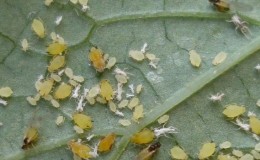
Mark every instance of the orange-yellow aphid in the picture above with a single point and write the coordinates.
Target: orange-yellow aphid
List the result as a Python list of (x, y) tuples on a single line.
[(45, 87), (148, 152), (107, 142), (56, 48), (6, 92), (195, 58), (138, 113), (124, 122), (83, 121), (56, 63), (25, 45), (106, 90), (254, 124), (63, 91), (219, 58), (81, 150), (30, 137), (97, 59), (233, 110), (178, 153), (143, 137), (163, 119), (207, 150), (38, 28)]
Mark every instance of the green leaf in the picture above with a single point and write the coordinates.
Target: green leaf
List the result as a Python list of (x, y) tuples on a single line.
[(171, 28)]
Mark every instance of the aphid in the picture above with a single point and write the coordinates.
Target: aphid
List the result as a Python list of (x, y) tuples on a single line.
[(60, 120), (56, 63), (75, 92), (221, 5), (123, 103), (48, 2), (143, 137), (82, 121), (78, 130), (56, 48), (220, 57), (47, 97), (91, 100), (30, 137), (138, 113), (237, 153), (139, 88), (233, 110), (73, 83), (124, 122), (150, 56), (133, 102), (106, 90), (55, 77), (241, 25), (107, 142), (257, 67), (217, 97), (112, 106), (58, 20), (121, 79), (255, 154), (254, 124), (80, 104), (32, 101), (131, 87), (80, 149), (106, 56), (38, 28), (257, 147), (111, 62), (148, 152), (25, 45), (3, 102), (79, 79), (163, 119), (84, 4), (136, 55), (207, 150), (97, 59), (63, 91), (143, 50), (226, 157), (195, 58), (178, 153), (57, 38), (225, 145), (247, 157), (69, 72), (6, 92), (55, 103), (119, 91), (94, 91), (45, 87), (101, 100), (163, 131)]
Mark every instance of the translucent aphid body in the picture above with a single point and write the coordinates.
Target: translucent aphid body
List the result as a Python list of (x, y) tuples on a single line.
[(138, 113), (143, 137), (148, 152), (124, 122), (254, 124), (83, 121), (81, 150), (30, 137), (38, 28), (56, 63), (220, 57), (195, 58), (163, 119), (136, 55), (25, 45), (56, 48), (97, 59), (6, 92), (178, 153), (45, 87), (106, 90), (207, 150), (107, 142), (63, 91), (233, 111)]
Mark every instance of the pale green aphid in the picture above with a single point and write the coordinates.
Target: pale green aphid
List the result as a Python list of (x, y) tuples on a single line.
[(121, 78), (38, 28), (6, 92), (138, 113), (237, 153), (124, 122), (133, 102), (225, 145), (136, 55), (207, 150), (60, 120), (178, 153), (163, 119), (25, 45), (195, 58), (123, 103), (233, 110), (111, 62), (219, 58), (112, 106)]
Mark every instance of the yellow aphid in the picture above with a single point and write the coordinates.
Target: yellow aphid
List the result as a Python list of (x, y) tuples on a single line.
[(45, 87), (6, 92), (55, 103), (255, 154), (136, 55), (148, 152), (56, 63), (254, 124), (112, 106), (207, 150), (48, 2), (225, 145), (38, 28), (124, 122), (111, 62), (107, 142), (78, 129), (83, 121), (143, 137), (79, 79), (138, 112), (195, 58), (74, 1), (163, 119), (97, 59), (56, 77), (62, 91), (178, 153), (237, 153), (94, 91), (30, 137), (56, 48), (25, 45), (32, 101), (106, 90), (219, 58), (139, 88), (121, 78), (69, 72), (233, 111), (133, 102), (123, 103), (83, 2), (101, 100), (60, 120), (81, 150)]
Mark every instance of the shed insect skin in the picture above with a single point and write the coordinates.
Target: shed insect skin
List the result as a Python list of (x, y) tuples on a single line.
[(240, 24), (148, 152)]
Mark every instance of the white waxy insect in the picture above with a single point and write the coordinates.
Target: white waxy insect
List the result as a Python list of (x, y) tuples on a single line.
[(121, 79), (119, 91), (111, 62), (73, 83), (80, 104), (32, 101), (25, 45), (55, 77), (79, 79), (255, 154), (55, 103), (119, 113), (129, 95), (131, 87), (91, 100), (78, 129), (241, 25), (124, 122), (112, 106), (94, 91), (163, 119), (195, 58), (58, 20), (225, 145), (139, 88), (220, 57), (121, 72), (257, 147), (163, 131), (101, 100), (69, 73), (244, 126), (90, 137), (48, 2), (257, 67), (3, 102), (144, 48), (138, 113), (217, 97), (133, 102), (60, 120), (237, 153), (136, 55), (75, 92), (123, 103)]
